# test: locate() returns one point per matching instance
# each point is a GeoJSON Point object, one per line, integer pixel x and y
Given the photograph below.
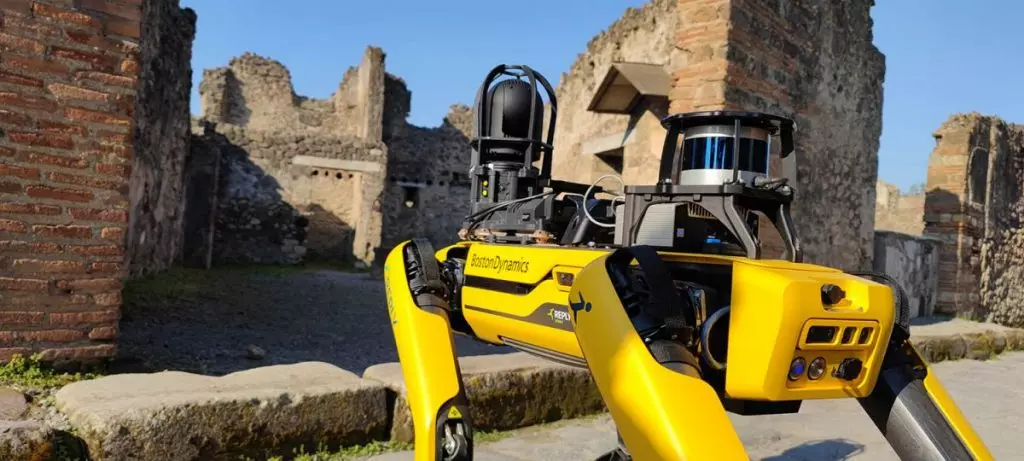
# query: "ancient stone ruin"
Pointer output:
{"type": "Point", "coordinates": [104, 175]}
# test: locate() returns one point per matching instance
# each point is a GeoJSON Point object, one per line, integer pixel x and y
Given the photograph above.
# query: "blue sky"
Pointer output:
{"type": "Point", "coordinates": [941, 56]}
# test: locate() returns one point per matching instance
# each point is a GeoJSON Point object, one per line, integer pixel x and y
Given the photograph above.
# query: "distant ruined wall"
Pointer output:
{"type": "Point", "coordinates": [914, 263]}
{"type": "Point", "coordinates": [161, 137]}
{"type": "Point", "coordinates": [68, 81]}
{"type": "Point", "coordinates": [897, 212]}
{"type": "Point", "coordinates": [811, 61]}
{"type": "Point", "coordinates": [344, 178]}
{"type": "Point", "coordinates": [644, 35]}
{"type": "Point", "coordinates": [974, 206]}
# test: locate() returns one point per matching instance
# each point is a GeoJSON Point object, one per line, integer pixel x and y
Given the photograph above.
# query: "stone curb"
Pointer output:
{"type": "Point", "coordinates": [973, 346]}
{"type": "Point", "coordinates": [505, 391]}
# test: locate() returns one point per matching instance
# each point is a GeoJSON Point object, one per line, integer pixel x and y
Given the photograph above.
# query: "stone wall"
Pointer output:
{"type": "Point", "coordinates": [914, 263]}
{"type": "Point", "coordinates": [811, 61]}
{"type": "Point", "coordinates": [643, 35]}
{"type": "Point", "coordinates": [898, 212]}
{"type": "Point", "coordinates": [67, 85]}
{"type": "Point", "coordinates": [974, 204]}
{"type": "Point", "coordinates": [160, 136]}
{"type": "Point", "coordinates": [343, 178]}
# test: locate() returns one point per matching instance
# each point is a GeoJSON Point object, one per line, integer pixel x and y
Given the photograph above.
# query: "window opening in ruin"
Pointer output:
{"type": "Point", "coordinates": [979, 175]}
{"type": "Point", "coordinates": [338, 175]}
{"type": "Point", "coordinates": [350, 176]}
{"type": "Point", "coordinates": [315, 172]}
{"type": "Point", "coordinates": [411, 196]}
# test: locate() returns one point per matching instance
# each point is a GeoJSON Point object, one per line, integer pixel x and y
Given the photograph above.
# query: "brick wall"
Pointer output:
{"type": "Point", "coordinates": [67, 87]}
{"type": "Point", "coordinates": [810, 61]}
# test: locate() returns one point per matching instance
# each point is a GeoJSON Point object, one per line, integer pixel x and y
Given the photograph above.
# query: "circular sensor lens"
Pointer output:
{"type": "Point", "coordinates": [797, 368]}
{"type": "Point", "coordinates": [817, 368]}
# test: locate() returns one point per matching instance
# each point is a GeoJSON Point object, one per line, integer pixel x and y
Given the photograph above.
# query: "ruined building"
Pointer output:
{"type": "Point", "coordinates": [103, 174]}
{"type": "Point", "coordinates": [342, 178]}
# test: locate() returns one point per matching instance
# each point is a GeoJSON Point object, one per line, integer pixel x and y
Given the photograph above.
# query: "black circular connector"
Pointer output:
{"type": "Point", "coordinates": [831, 294]}
{"type": "Point", "coordinates": [848, 369]}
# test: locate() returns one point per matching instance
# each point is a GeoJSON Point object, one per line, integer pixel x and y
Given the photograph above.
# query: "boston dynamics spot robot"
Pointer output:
{"type": "Point", "coordinates": [660, 291]}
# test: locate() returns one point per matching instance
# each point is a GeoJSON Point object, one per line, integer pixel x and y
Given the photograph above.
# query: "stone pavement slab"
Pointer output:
{"type": "Point", "coordinates": [988, 392]}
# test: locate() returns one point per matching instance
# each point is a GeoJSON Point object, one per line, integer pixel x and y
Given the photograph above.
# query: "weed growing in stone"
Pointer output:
{"type": "Point", "coordinates": [30, 373]}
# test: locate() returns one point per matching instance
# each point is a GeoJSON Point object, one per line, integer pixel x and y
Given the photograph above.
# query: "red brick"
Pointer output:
{"type": "Point", "coordinates": [62, 230]}
{"type": "Point", "coordinates": [15, 246]}
{"type": "Point", "coordinates": [107, 299]}
{"type": "Point", "coordinates": [52, 336]}
{"type": "Point", "coordinates": [29, 208]}
{"type": "Point", "coordinates": [107, 78]}
{"type": "Point", "coordinates": [99, 60]}
{"type": "Point", "coordinates": [34, 65]}
{"type": "Point", "coordinates": [55, 127]}
{"type": "Point", "coordinates": [65, 162]}
{"type": "Point", "coordinates": [65, 16]}
{"type": "Point", "coordinates": [21, 318]}
{"type": "Point", "coordinates": [86, 115]}
{"type": "Point", "coordinates": [10, 225]}
{"type": "Point", "coordinates": [48, 266]}
{"type": "Point", "coordinates": [97, 250]}
{"type": "Point", "coordinates": [12, 42]}
{"type": "Point", "coordinates": [113, 137]}
{"type": "Point", "coordinates": [122, 9]}
{"type": "Point", "coordinates": [106, 267]}
{"type": "Point", "coordinates": [7, 152]}
{"type": "Point", "coordinates": [7, 338]}
{"type": "Point", "coordinates": [123, 171]}
{"type": "Point", "coordinates": [130, 67]}
{"type": "Point", "coordinates": [18, 172]}
{"type": "Point", "coordinates": [21, 284]}
{"type": "Point", "coordinates": [83, 318]}
{"type": "Point", "coordinates": [39, 301]}
{"type": "Point", "coordinates": [89, 285]}
{"type": "Point", "coordinates": [87, 181]}
{"type": "Point", "coordinates": [112, 233]}
{"type": "Point", "coordinates": [101, 42]}
{"type": "Point", "coordinates": [124, 27]}
{"type": "Point", "coordinates": [92, 214]}
{"type": "Point", "coordinates": [27, 102]}
{"type": "Point", "coordinates": [118, 150]}
{"type": "Point", "coordinates": [11, 118]}
{"type": "Point", "coordinates": [54, 140]}
{"type": "Point", "coordinates": [79, 353]}
{"type": "Point", "coordinates": [56, 193]}
{"type": "Point", "coordinates": [9, 187]}
{"type": "Point", "coordinates": [76, 93]}
{"type": "Point", "coordinates": [103, 333]}
{"type": "Point", "coordinates": [15, 79]}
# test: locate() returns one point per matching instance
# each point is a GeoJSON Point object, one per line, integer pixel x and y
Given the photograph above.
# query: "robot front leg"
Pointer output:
{"type": "Point", "coordinates": [662, 408]}
{"type": "Point", "coordinates": [915, 414]}
{"type": "Point", "coordinates": [418, 306]}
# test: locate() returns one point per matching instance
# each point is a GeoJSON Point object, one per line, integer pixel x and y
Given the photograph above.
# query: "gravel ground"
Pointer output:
{"type": "Point", "coordinates": [222, 321]}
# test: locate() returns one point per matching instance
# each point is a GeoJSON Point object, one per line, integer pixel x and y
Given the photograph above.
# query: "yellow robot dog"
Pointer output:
{"type": "Point", "coordinates": [661, 293]}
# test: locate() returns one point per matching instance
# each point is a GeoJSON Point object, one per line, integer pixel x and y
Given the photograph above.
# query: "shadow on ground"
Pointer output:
{"type": "Point", "coordinates": [821, 450]}
{"type": "Point", "coordinates": [230, 319]}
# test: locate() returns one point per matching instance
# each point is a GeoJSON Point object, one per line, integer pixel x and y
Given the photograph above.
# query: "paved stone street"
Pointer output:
{"type": "Point", "coordinates": [989, 393]}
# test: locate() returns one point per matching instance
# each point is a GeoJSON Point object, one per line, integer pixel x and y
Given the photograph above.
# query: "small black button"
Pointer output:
{"type": "Point", "coordinates": [849, 369]}
{"type": "Point", "coordinates": [831, 294]}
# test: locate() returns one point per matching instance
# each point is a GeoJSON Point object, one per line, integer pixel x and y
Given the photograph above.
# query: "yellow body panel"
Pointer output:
{"type": "Point", "coordinates": [661, 414]}
{"type": "Point", "coordinates": [771, 306]}
{"type": "Point", "coordinates": [426, 350]}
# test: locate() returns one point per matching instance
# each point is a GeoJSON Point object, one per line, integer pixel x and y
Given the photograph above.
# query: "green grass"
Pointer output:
{"type": "Point", "coordinates": [31, 373]}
